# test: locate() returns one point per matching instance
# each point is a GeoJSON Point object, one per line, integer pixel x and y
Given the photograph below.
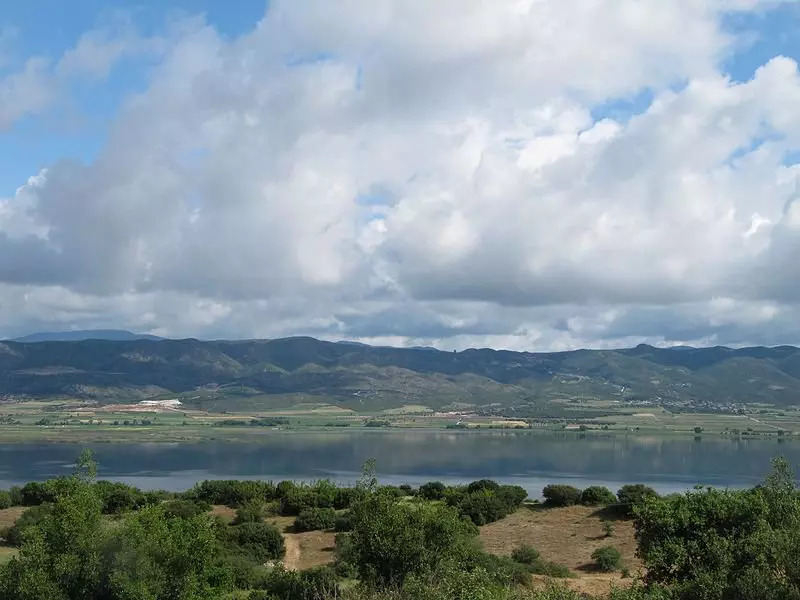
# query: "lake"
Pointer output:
{"type": "Point", "coordinates": [528, 459]}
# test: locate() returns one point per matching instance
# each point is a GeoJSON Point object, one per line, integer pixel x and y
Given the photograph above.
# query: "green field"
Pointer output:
{"type": "Point", "coordinates": [80, 421]}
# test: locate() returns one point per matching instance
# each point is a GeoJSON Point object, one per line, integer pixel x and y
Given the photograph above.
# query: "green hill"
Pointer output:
{"type": "Point", "coordinates": [380, 377]}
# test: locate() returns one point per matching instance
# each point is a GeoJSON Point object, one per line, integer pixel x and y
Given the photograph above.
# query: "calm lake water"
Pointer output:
{"type": "Point", "coordinates": [527, 459]}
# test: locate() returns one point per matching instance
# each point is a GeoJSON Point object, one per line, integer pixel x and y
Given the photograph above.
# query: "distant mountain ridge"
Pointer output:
{"type": "Point", "coordinates": [117, 335]}
{"type": "Point", "coordinates": [255, 373]}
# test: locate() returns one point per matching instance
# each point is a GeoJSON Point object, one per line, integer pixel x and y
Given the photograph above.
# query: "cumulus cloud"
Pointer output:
{"type": "Point", "coordinates": [427, 173]}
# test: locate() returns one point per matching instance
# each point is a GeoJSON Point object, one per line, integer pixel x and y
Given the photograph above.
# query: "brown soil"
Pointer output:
{"type": "Point", "coordinates": [567, 536]}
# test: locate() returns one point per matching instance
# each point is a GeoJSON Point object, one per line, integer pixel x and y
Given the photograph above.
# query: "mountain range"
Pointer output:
{"type": "Point", "coordinates": [255, 373]}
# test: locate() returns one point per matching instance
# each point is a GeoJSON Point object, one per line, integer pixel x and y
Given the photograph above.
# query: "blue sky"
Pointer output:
{"type": "Point", "coordinates": [78, 131]}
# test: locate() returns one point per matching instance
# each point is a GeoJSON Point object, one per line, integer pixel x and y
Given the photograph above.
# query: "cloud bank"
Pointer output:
{"type": "Point", "coordinates": [525, 174]}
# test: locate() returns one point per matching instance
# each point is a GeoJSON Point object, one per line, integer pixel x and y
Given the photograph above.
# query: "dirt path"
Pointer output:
{"type": "Point", "coordinates": [291, 559]}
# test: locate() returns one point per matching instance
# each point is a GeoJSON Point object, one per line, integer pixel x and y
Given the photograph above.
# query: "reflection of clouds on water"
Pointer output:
{"type": "Point", "coordinates": [527, 459]}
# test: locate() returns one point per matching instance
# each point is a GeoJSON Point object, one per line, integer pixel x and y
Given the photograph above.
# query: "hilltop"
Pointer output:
{"type": "Point", "coordinates": [230, 373]}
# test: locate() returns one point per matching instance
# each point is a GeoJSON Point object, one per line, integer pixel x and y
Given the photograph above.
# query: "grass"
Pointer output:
{"type": "Point", "coordinates": [566, 536]}
{"type": "Point", "coordinates": [90, 422]}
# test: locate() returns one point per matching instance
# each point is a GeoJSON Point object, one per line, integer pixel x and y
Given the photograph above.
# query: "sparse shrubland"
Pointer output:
{"type": "Point", "coordinates": [85, 540]}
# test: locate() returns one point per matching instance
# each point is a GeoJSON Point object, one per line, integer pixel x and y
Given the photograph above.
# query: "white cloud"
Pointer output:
{"type": "Point", "coordinates": [427, 173]}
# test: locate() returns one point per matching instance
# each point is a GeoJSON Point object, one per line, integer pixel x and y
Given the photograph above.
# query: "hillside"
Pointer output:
{"type": "Point", "coordinates": [117, 335]}
{"type": "Point", "coordinates": [235, 373]}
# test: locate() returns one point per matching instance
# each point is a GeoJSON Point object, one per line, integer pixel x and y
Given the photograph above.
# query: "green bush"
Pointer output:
{"type": "Point", "coordinates": [297, 500]}
{"type": "Point", "coordinates": [118, 497]}
{"type": "Point", "coordinates": [5, 500]}
{"type": "Point", "coordinates": [607, 558]}
{"type": "Point", "coordinates": [184, 509]}
{"type": "Point", "coordinates": [433, 490]}
{"type": "Point", "coordinates": [312, 519]}
{"type": "Point", "coordinates": [512, 495]}
{"type": "Point", "coordinates": [392, 540]}
{"type": "Point", "coordinates": [561, 495]}
{"type": "Point", "coordinates": [14, 535]}
{"type": "Point", "coordinates": [483, 484]}
{"type": "Point", "coordinates": [259, 540]}
{"type": "Point", "coordinates": [35, 493]}
{"type": "Point", "coordinates": [525, 554]}
{"type": "Point", "coordinates": [252, 511]}
{"type": "Point", "coordinates": [550, 569]}
{"type": "Point", "coordinates": [232, 493]}
{"type": "Point", "coordinates": [312, 584]}
{"type": "Point", "coordinates": [344, 522]}
{"type": "Point", "coordinates": [632, 495]}
{"type": "Point", "coordinates": [16, 495]}
{"type": "Point", "coordinates": [482, 507]}
{"type": "Point", "coordinates": [597, 495]}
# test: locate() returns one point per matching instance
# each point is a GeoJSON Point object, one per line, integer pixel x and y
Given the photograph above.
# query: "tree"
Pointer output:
{"type": "Point", "coordinates": [392, 540]}
{"type": "Point", "coordinates": [597, 495]}
{"type": "Point", "coordinates": [259, 540]}
{"type": "Point", "coordinates": [251, 512]}
{"type": "Point", "coordinates": [719, 544]}
{"type": "Point", "coordinates": [561, 495]}
{"type": "Point", "coordinates": [433, 490]}
{"type": "Point", "coordinates": [152, 556]}
{"type": "Point", "coordinates": [61, 554]}
{"type": "Point", "coordinates": [631, 495]}
{"type": "Point", "coordinates": [312, 519]}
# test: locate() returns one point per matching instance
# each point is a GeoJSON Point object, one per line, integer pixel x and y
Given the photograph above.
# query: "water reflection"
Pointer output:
{"type": "Point", "coordinates": [528, 459]}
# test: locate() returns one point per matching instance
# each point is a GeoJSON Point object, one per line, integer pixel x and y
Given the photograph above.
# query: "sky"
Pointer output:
{"type": "Point", "coordinates": [523, 174]}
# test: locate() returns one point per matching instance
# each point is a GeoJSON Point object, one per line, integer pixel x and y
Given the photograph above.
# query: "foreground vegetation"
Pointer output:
{"type": "Point", "coordinates": [85, 539]}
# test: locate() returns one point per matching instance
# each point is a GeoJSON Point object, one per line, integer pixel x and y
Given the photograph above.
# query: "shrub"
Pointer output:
{"type": "Point", "coordinates": [259, 540]}
{"type": "Point", "coordinates": [597, 495]}
{"type": "Point", "coordinates": [608, 528]}
{"type": "Point", "coordinates": [500, 569]}
{"type": "Point", "coordinates": [312, 519]}
{"type": "Point", "coordinates": [344, 522]}
{"type": "Point", "coordinates": [607, 558]}
{"type": "Point", "coordinates": [297, 500]}
{"type": "Point", "coordinates": [345, 497]}
{"type": "Point", "coordinates": [550, 569]}
{"type": "Point", "coordinates": [483, 484]}
{"type": "Point", "coordinates": [561, 495]}
{"type": "Point", "coordinates": [30, 518]}
{"type": "Point", "coordinates": [283, 488]}
{"type": "Point", "coordinates": [311, 584]}
{"type": "Point", "coordinates": [512, 495]}
{"type": "Point", "coordinates": [16, 495]}
{"type": "Point", "coordinates": [118, 497]}
{"type": "Point", "coordinates": [632, 495]}
{"type": "Point", "coordinates": [232, 493]}
{"type": "Point", "coordinates": [184, 509]}
{"type": "Point", "coordinates": [251, 512]}
{"type": "Point", "coordinates": [5, 500]}
{"type": "Point", "coordinates": [391, 540]}
{"type": "Point", "coordinates": [35, 493]}
{"type": "Point", "coordinates": [525, 554]}
{"type": "Point", "coordinates": [482, 507]}
{"type": "Point", "coordinates": [433, 490]}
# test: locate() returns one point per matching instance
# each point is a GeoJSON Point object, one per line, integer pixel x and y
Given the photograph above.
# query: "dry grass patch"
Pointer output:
{"type": "Point", "coordinates": [567, 536]}
{"type": "Point", "coordinates": [309, 549]}
{"type": "Point", "coordinates": [9, 516]}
